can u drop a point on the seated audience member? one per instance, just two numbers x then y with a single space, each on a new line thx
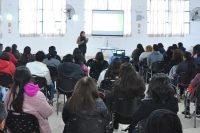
154 56
69 69
6 66
98 65
51 60
3 115
6 82
168 54
197 55
174 46
52 51
11 56
111 73
195 50
77 51
177 57
161 48
190 96
38 68
185 72
26 97
146 53
130 87
163 121
181 47
84 102
135 55
15 52
160 96
78 59
1 48
26 56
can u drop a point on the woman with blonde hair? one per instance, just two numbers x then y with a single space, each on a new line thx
145 54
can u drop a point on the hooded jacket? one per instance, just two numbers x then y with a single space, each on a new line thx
34 103
7 67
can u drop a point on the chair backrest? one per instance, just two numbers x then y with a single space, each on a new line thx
84 123
197 92
41 81
53 72
124 106
107 84
66 84
22 122
143 63
158 66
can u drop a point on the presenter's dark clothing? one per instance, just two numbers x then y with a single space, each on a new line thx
81 41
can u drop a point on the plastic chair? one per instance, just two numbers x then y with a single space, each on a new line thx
86 123
22 122
42 83
53 72
122 110
157 67
65 86
107 84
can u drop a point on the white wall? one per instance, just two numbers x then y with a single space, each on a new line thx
66 44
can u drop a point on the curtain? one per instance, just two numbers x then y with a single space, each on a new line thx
167 17
108 5
42 17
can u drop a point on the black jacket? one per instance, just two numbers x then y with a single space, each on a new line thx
148 105
76 122
69 69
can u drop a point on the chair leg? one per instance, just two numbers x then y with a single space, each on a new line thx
57 102
195 114
64 99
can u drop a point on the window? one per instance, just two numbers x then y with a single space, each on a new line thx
108 5
42 17
167 17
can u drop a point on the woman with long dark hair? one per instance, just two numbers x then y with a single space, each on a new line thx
84 102
160 96
26 97
186 71
15 52
97 65
26 57
130 87
82 41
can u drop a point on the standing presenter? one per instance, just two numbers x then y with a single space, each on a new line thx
81 41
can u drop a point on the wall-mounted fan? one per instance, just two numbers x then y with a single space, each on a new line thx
195 14
70 11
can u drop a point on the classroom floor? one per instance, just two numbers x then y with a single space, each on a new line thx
57 124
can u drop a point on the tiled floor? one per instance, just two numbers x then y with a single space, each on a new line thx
57 124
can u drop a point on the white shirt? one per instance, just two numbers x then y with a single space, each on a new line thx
53 62
101 77
144 55
39 69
